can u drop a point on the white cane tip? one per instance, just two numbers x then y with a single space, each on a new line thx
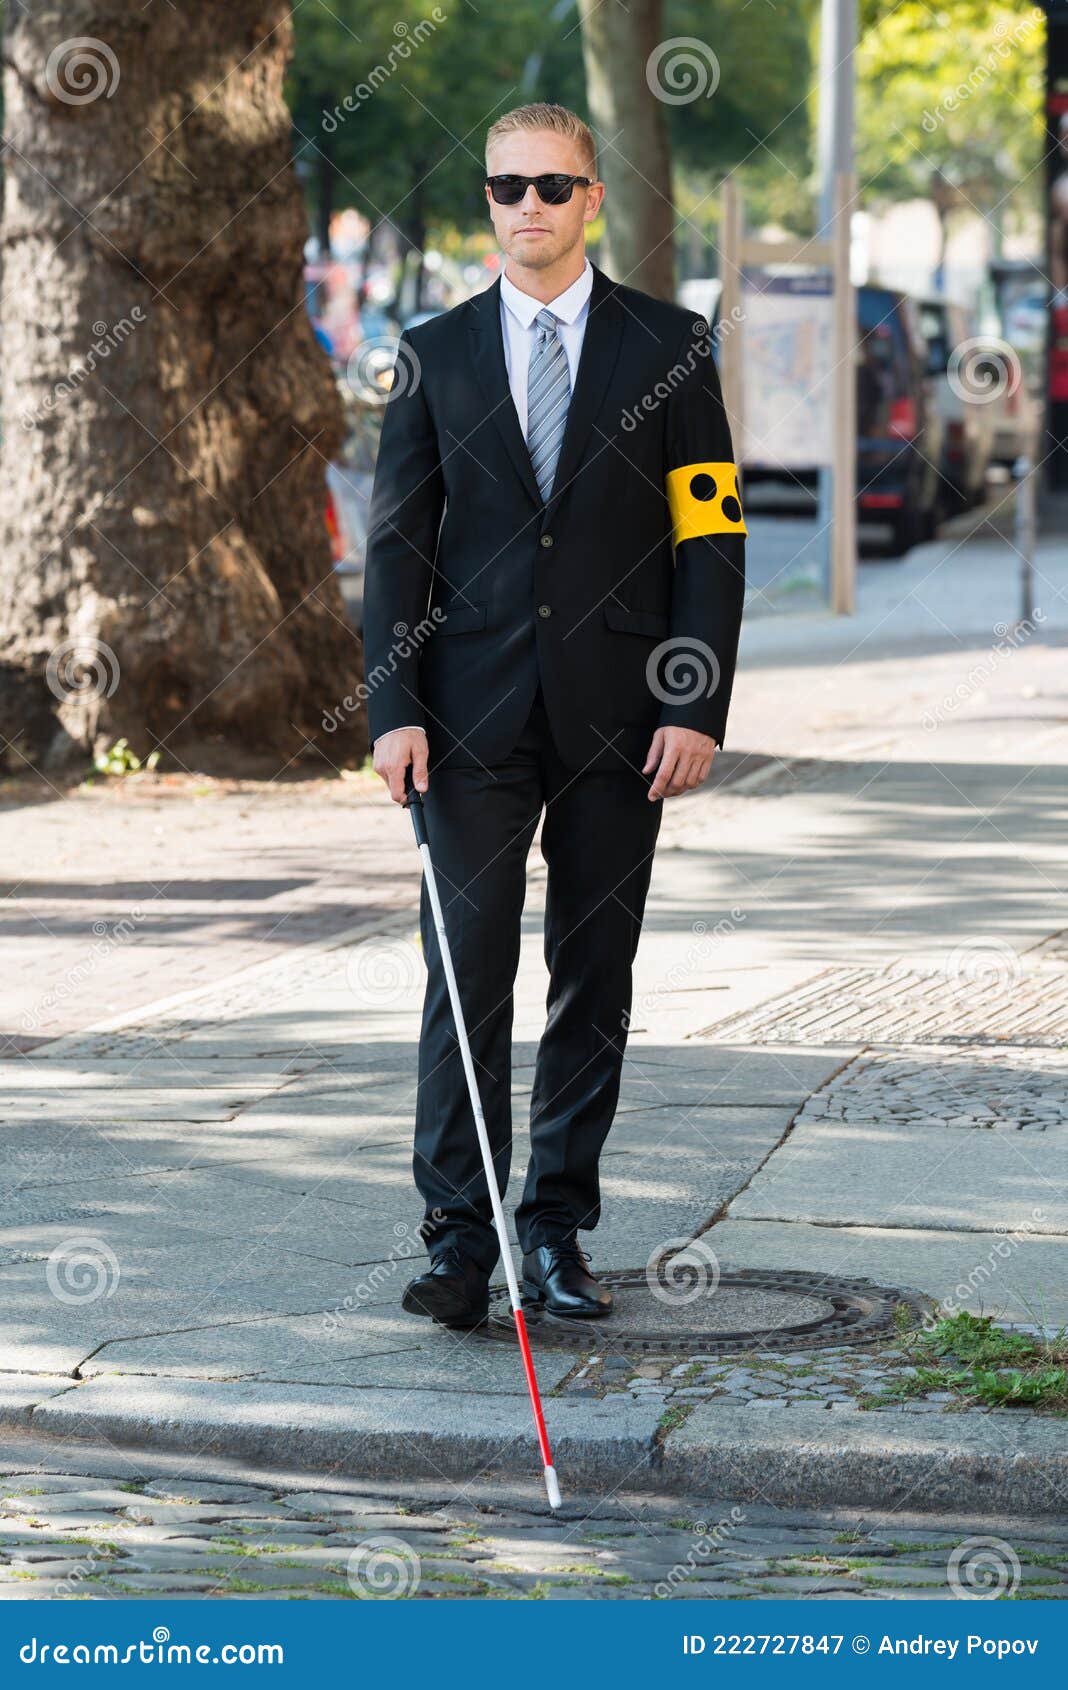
552 1485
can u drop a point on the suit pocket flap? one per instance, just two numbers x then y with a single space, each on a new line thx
461 618
626 621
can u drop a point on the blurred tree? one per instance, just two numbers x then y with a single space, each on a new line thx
949 105
391 116
165 573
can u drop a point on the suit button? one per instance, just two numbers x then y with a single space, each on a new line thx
546 540
544 610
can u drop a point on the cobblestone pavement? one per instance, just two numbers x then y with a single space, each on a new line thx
945 1086
126 1533
858 1380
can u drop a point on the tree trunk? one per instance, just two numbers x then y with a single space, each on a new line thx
165 572
326 174
619 39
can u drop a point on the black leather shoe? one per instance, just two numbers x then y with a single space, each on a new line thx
453 1291
555 1276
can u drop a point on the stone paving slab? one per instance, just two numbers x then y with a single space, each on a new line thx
896 1174
1019 1278
375 1345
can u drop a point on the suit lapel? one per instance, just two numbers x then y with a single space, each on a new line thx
600 349
597 360
487 351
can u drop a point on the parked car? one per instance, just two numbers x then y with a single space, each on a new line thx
968 422
899 431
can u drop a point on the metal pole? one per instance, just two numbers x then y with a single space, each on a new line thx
838 37
1025 534
844 467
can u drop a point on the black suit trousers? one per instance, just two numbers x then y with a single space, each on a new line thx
597 840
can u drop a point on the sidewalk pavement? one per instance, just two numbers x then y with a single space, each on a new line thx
848 1058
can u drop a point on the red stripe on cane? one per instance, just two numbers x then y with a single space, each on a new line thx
532 1387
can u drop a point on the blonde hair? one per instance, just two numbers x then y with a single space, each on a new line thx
546 116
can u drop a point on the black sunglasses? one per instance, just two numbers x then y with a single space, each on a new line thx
552 190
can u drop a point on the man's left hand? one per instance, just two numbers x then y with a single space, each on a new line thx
684 758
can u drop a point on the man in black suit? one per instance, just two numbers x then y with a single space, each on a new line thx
553 594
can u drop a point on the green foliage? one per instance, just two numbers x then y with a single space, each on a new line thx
954 89
410 144
120 760
985 1366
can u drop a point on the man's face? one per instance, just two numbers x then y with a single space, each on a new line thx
531 233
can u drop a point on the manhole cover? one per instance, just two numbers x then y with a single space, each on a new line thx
748 1309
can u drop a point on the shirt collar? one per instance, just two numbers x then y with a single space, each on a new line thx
566 306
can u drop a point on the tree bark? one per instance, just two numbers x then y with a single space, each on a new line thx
618 39
165 572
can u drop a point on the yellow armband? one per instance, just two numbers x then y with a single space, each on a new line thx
703 499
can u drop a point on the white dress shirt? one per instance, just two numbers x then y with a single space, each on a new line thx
518 311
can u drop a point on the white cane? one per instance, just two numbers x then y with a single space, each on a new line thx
414 804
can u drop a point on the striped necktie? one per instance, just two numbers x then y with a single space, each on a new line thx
548 396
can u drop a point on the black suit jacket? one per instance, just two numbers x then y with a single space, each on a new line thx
623 592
